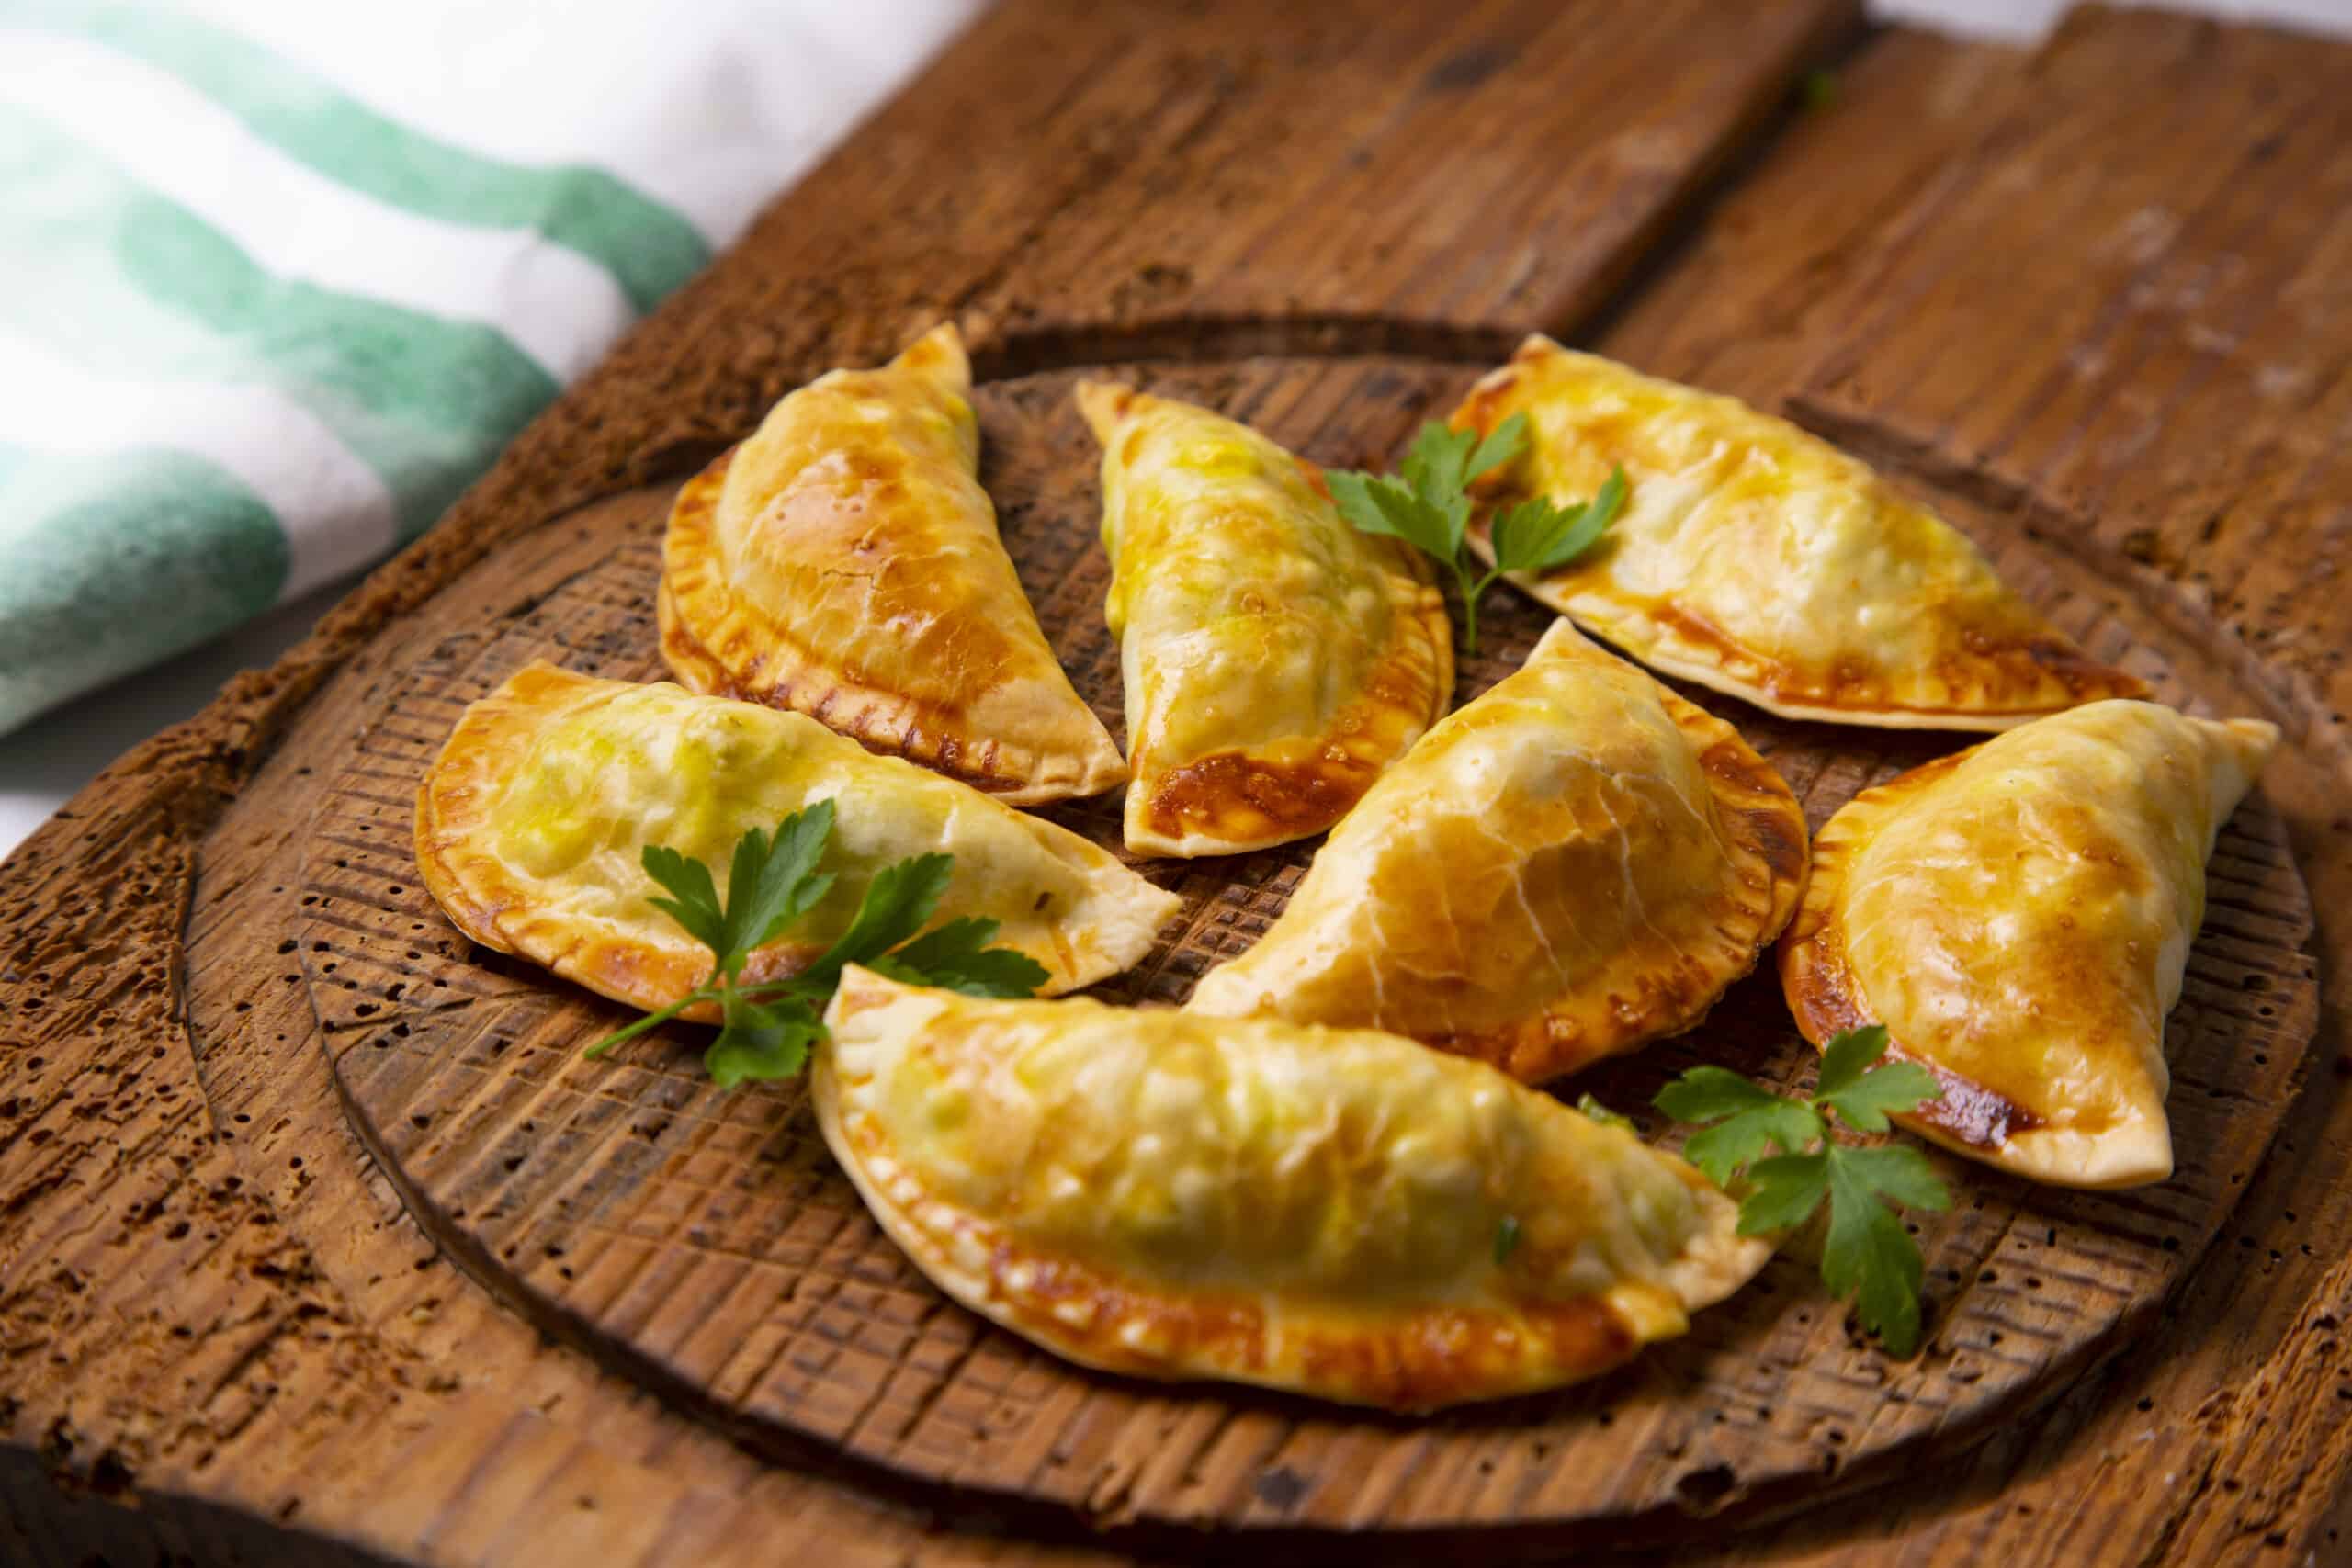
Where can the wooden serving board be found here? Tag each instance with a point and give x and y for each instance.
(282, 1161)
(707, 1244)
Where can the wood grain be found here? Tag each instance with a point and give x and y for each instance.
(363, 1397)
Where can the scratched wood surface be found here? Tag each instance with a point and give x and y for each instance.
(226, 1337)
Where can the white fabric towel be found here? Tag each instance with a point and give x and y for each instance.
(278, 279)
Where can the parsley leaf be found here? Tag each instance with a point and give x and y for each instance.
(896, 902)
(1429, 510)
(774, 882)
(1862, 1098)
(1710, 1094)
(1536, 536)
(693, 901)
(1747, 1137)
(1784, 1192)
(1506, 1239)
(1752, 1121)
(956, 957)
(1375, 505)
(762, 1040)
(1848, 1056)
(1899, 1172)
(1869, 1256)
(768, 1027)
(1503, 444)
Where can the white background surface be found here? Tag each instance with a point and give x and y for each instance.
(46, 762)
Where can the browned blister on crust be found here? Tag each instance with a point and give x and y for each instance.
(1758, 560)
(1169, 1196)
(531, 825)
(1572, 864)
(2018, 916)
(845, 562)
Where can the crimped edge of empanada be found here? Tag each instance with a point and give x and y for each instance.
(1370, 734)
(1765, 826)
(1971, 1120)
(1657, 644)
(739, 654)
(452, 804)
(1427, 1359)
(2022, 681)
(471, 885)
(1766, 849)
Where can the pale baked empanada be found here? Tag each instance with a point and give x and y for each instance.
(2018, 916)
(1335, 1211)
(1567, 866)
(1275, 660)
(844, 563)
(530, 826)
(1760, 560)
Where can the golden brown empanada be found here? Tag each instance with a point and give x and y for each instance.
(1757, 559)
(1569, 865)
(1335, 1211)
(530, 825)
(2018, 916)
(844, 563)
(1275, 660)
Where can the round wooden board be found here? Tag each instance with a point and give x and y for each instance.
(706, 1243)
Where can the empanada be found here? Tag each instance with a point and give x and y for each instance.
(1338, 1213)
(844, 563)
(1275, 660)
(1569, 865)
(530, 826)
(2018, 916)
(1760, 560)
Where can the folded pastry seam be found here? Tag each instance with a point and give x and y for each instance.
(2018, 916)
(843, 562)
(1169, 1196)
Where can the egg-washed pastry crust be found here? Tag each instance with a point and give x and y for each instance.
(1757, 559)
(844, 563)
(576, 774)
(2061, 965)
(1171, 1196)
(1572, 864)
(1275, 660)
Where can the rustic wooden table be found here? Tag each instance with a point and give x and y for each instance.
(2091, 297)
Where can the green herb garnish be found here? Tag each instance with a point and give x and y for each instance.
(768, 1027)
(1506, 1239)
(1868, 1255)
(1429, 510)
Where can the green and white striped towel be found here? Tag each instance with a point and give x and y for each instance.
(277, 280)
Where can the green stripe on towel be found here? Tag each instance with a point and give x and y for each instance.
(118, 560)
(117, 279)
(648, 247)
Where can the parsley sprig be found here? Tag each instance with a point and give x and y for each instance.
(1429, 510)
(768, 1027)
(1868, 1255)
